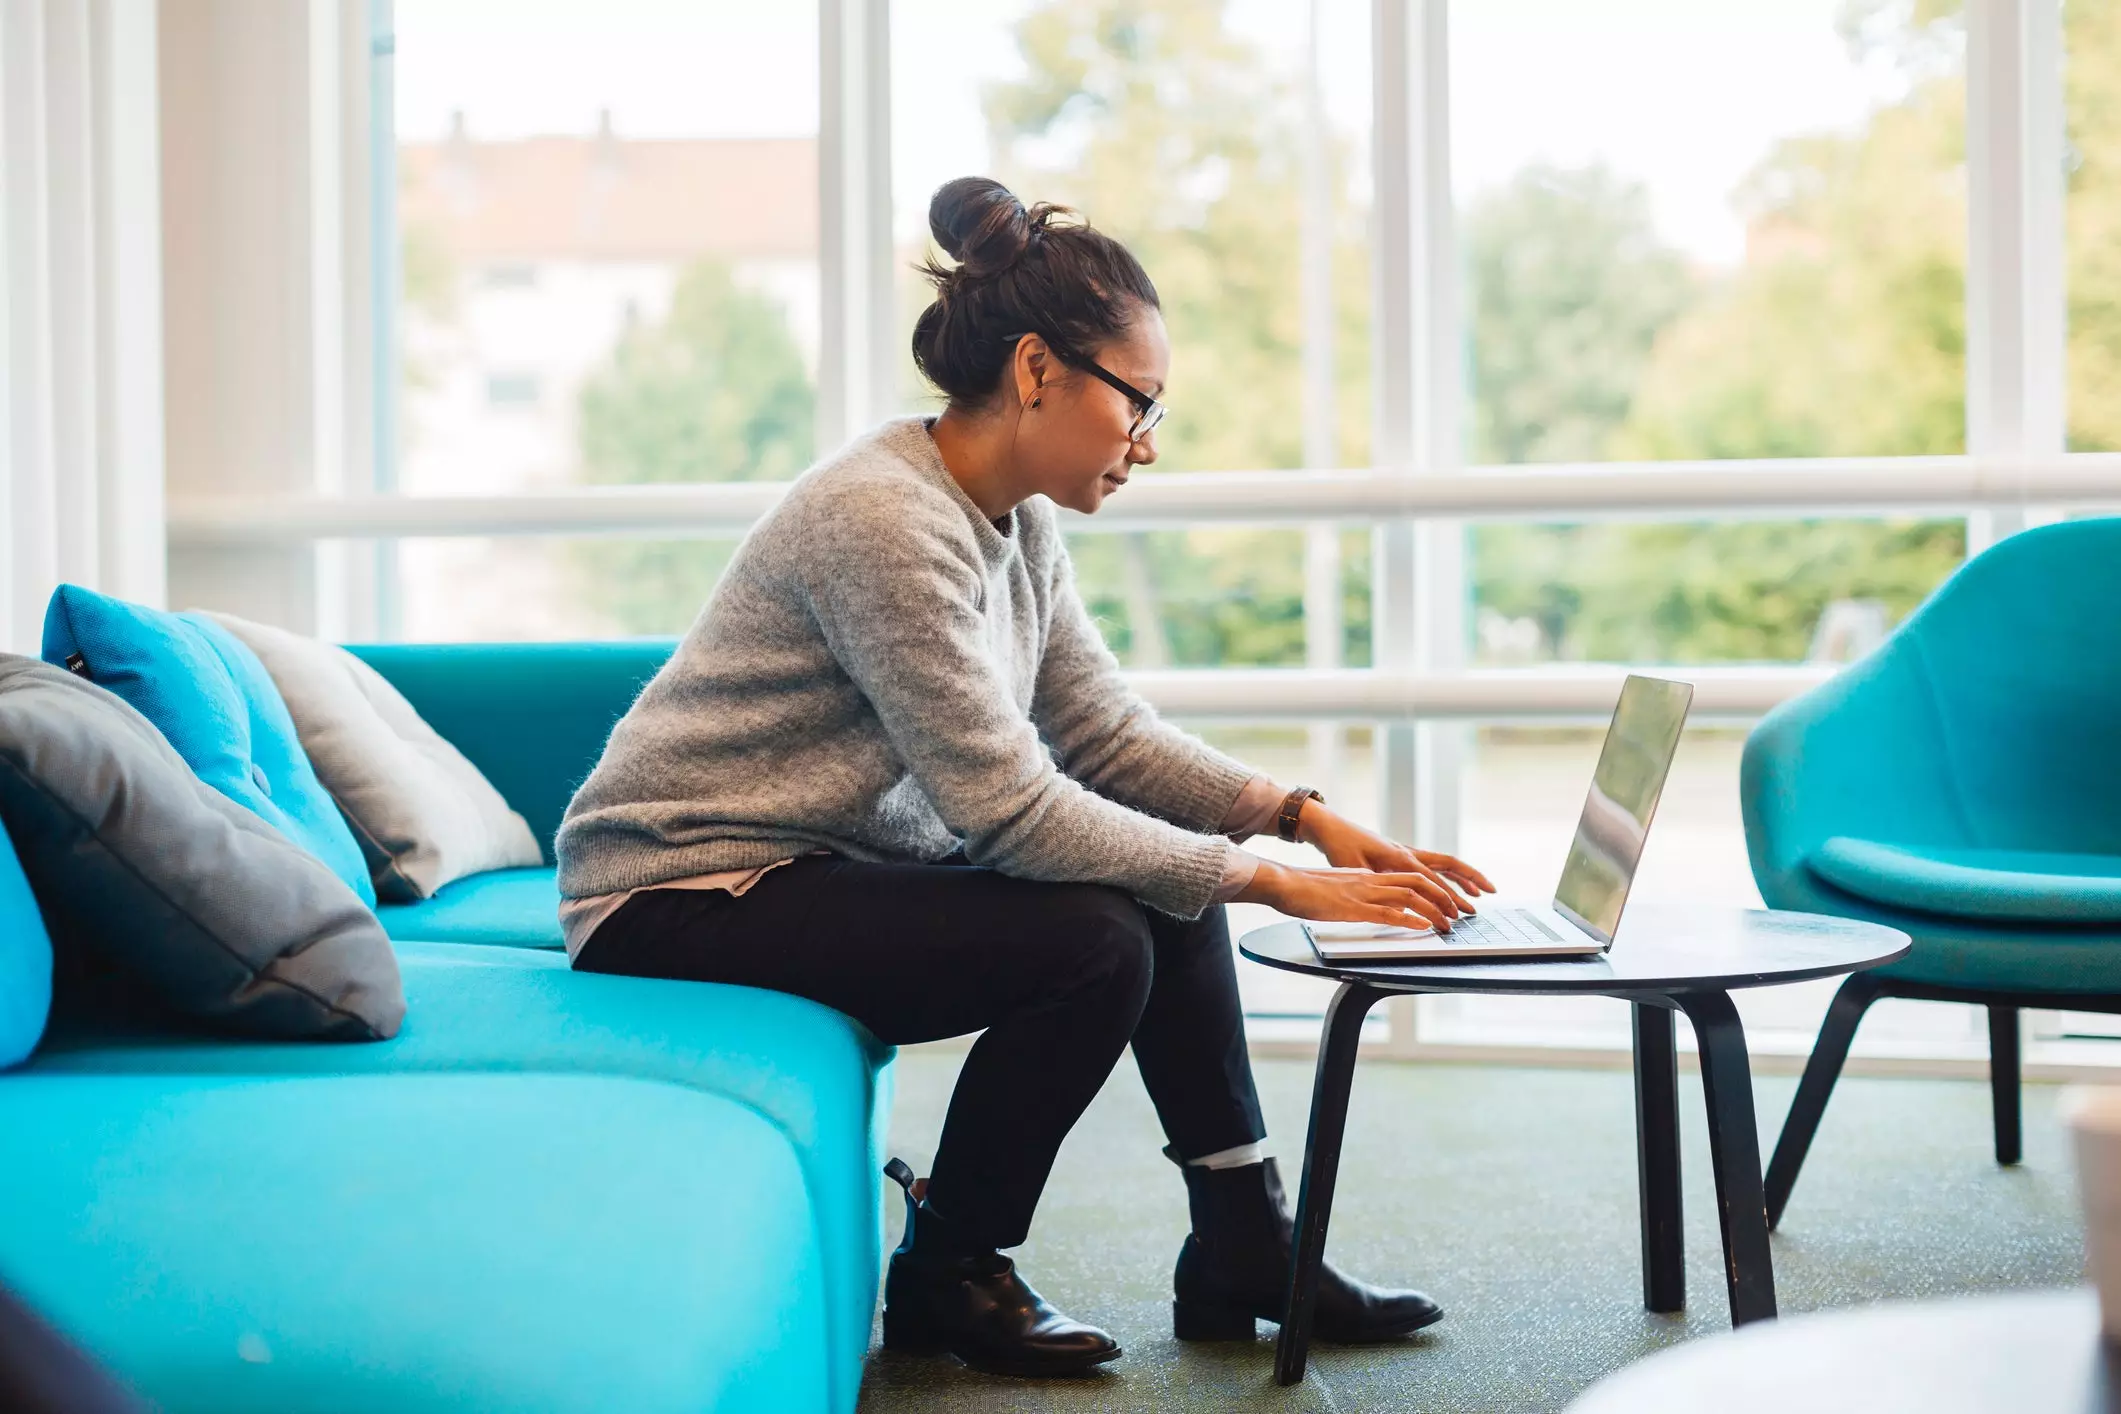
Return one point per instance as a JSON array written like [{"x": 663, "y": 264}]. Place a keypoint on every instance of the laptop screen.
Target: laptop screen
[{"x": 1616, "y": 816}]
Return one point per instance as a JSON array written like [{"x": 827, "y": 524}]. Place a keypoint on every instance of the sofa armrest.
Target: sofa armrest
[{"x": 533, "y": 717}]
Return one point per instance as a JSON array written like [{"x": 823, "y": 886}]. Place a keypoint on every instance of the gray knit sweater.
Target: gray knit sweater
[{"x": 886, "y": 674}]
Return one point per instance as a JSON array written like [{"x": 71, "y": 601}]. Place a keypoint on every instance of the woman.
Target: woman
[{"x": 894, "y": 769}]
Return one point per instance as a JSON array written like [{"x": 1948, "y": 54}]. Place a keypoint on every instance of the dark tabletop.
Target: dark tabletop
[
  {"x": 2025, "y": 1353},
  {"x": 1659, "y": 948}
]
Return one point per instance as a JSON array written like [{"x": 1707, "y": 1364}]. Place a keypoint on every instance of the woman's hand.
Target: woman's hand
[
  {"x": 1347, "y": 845},
  {"x": 1403, "y": 900}
]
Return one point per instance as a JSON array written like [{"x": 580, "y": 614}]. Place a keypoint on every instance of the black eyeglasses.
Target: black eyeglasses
[{"x": 1149, "y": 412}]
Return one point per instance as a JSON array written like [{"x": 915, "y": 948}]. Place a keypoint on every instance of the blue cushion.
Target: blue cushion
[
  {"x": 209, "y": 694},
  {"x": 232, "y": 1243},
  {"x": 819, "y": 1077},
  {"x": 25, "y": 961},
  {"x": 512, "y": 908},
  {"x": 2028, "y": 885}
]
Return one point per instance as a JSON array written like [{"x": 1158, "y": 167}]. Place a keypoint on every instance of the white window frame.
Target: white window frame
[{"x": 1418, "y": 497}]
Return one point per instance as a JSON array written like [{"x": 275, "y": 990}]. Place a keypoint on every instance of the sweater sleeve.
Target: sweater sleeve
[
  {"x": 1253, "y": 814},
  {"x": 1112, "y": 740},
  {"x": 899, "y": 606}
]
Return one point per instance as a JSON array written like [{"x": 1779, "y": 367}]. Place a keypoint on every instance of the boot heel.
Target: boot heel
[
  {"x": 910, "y": 1335},
  {"x": 1197, "y": 1320}
]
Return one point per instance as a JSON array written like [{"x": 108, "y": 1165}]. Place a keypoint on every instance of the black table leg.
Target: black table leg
[
  {"x": 1734, "y": 1150},
  {"x": 1314, "y": 1201},
  {"x": 2003, "y": 1053},
  {"x": 1657, "y": 1159}
]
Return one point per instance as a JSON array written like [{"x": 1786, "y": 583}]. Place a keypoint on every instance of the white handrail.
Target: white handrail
[
  {"x": 1651, "y": 490},
  {"x": 1547, "y": 693}
]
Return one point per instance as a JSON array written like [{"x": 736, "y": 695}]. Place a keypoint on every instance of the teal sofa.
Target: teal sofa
[{"x": 551, "y": 1191}]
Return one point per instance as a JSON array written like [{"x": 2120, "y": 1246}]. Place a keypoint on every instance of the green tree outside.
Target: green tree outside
[
  {"x": 1569, "y": 289},
  {"x": 1842, "y": 334},
  {"x": 716, "y": 391}
]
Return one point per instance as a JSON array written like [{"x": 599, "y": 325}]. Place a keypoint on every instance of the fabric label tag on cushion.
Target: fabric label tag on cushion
[
  {"x": 214, "y": 701},
  {"x": 140, "y": 865},
  {"x": 425, "y": 815}
]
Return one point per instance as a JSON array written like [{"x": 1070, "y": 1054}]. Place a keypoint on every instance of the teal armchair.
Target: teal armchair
[{"x": 1963, "y": 784}]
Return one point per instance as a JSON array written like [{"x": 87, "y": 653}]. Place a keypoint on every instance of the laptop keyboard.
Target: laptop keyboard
[{"x": 1504, "y": 927}]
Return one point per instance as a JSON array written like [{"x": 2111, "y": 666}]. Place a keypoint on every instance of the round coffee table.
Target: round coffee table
[
  {"x": 2028, "y": 1352},
  {"x": 1665, "y": 959}
]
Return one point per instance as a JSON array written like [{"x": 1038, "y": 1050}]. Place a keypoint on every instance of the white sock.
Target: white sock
[{"x": 1230, "y": 1158}]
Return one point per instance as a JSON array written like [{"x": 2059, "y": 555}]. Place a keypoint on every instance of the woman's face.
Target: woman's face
[{"x": 1073, "y": 447}]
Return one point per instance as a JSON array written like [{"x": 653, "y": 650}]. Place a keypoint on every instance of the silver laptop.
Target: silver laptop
[{"x": 1585, "y": 914}]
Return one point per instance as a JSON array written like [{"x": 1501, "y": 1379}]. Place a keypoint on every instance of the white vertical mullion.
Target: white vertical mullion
[
  {"x": 1418, "y": 580},
  {"x": 8, "y": 519},
  {"x": 1395, "y": 382},
  {"x": 887, "y": 350},
  {"x": 133, "y": 550},
  {"x": 323, "y": 252},
  {"x": 1439, "y": 618},
  {"x": 333, "y": 367},
  {"x": 1994, "y": 190},
  {"x": 347, "y": 590},
  {"x": 2046, "y": 311},
  {"x": 32, "y": 564},
  {"x": 70, "y": 252},
  {"x": 856, "y": 369},
  {"x": 1321, "y": 440},
  {"x": 2015, "y": 316},
  {"x": 1321, "y": 413},
  {"x": 386, "y": 302},
  {"x": 1393, "y": 374},
  {"x": 10, "y": 522},
  {"x": 2046, "y": 284}
]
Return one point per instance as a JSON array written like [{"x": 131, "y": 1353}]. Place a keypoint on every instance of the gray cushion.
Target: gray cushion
[{"x": 145, "y": 869}]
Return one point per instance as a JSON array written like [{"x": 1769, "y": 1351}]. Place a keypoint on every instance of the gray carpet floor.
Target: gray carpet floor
[{"x": 1509, "y": 1195}]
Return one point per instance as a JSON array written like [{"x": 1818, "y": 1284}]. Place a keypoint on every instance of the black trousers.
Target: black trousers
[{"x": 1061, "y": 978}]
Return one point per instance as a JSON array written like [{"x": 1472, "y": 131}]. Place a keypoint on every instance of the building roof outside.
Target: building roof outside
[{"x": 607, "y": 198}]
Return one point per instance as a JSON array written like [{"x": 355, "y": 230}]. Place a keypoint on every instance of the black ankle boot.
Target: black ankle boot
[
  {"x": 945, "y": 1294},
  {"x": 1234, "y": 1268}
]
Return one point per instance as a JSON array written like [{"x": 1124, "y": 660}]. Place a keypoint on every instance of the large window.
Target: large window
[
  {"x": 1731, "y": 238},
  {"x": 1705, "y": 232},
  {"x": 609, "y": 244}
]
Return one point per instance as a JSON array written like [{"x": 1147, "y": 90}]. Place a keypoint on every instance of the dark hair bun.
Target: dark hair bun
[
  {"x": 1016, "y": 271},
  {"x": 980, "y": 224}
]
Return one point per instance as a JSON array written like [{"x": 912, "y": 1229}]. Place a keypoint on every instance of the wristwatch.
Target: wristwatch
[{"x": 1291, "y": 806}]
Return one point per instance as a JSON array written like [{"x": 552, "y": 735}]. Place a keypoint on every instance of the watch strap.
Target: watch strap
[{"x": 1292, "y": 806}]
